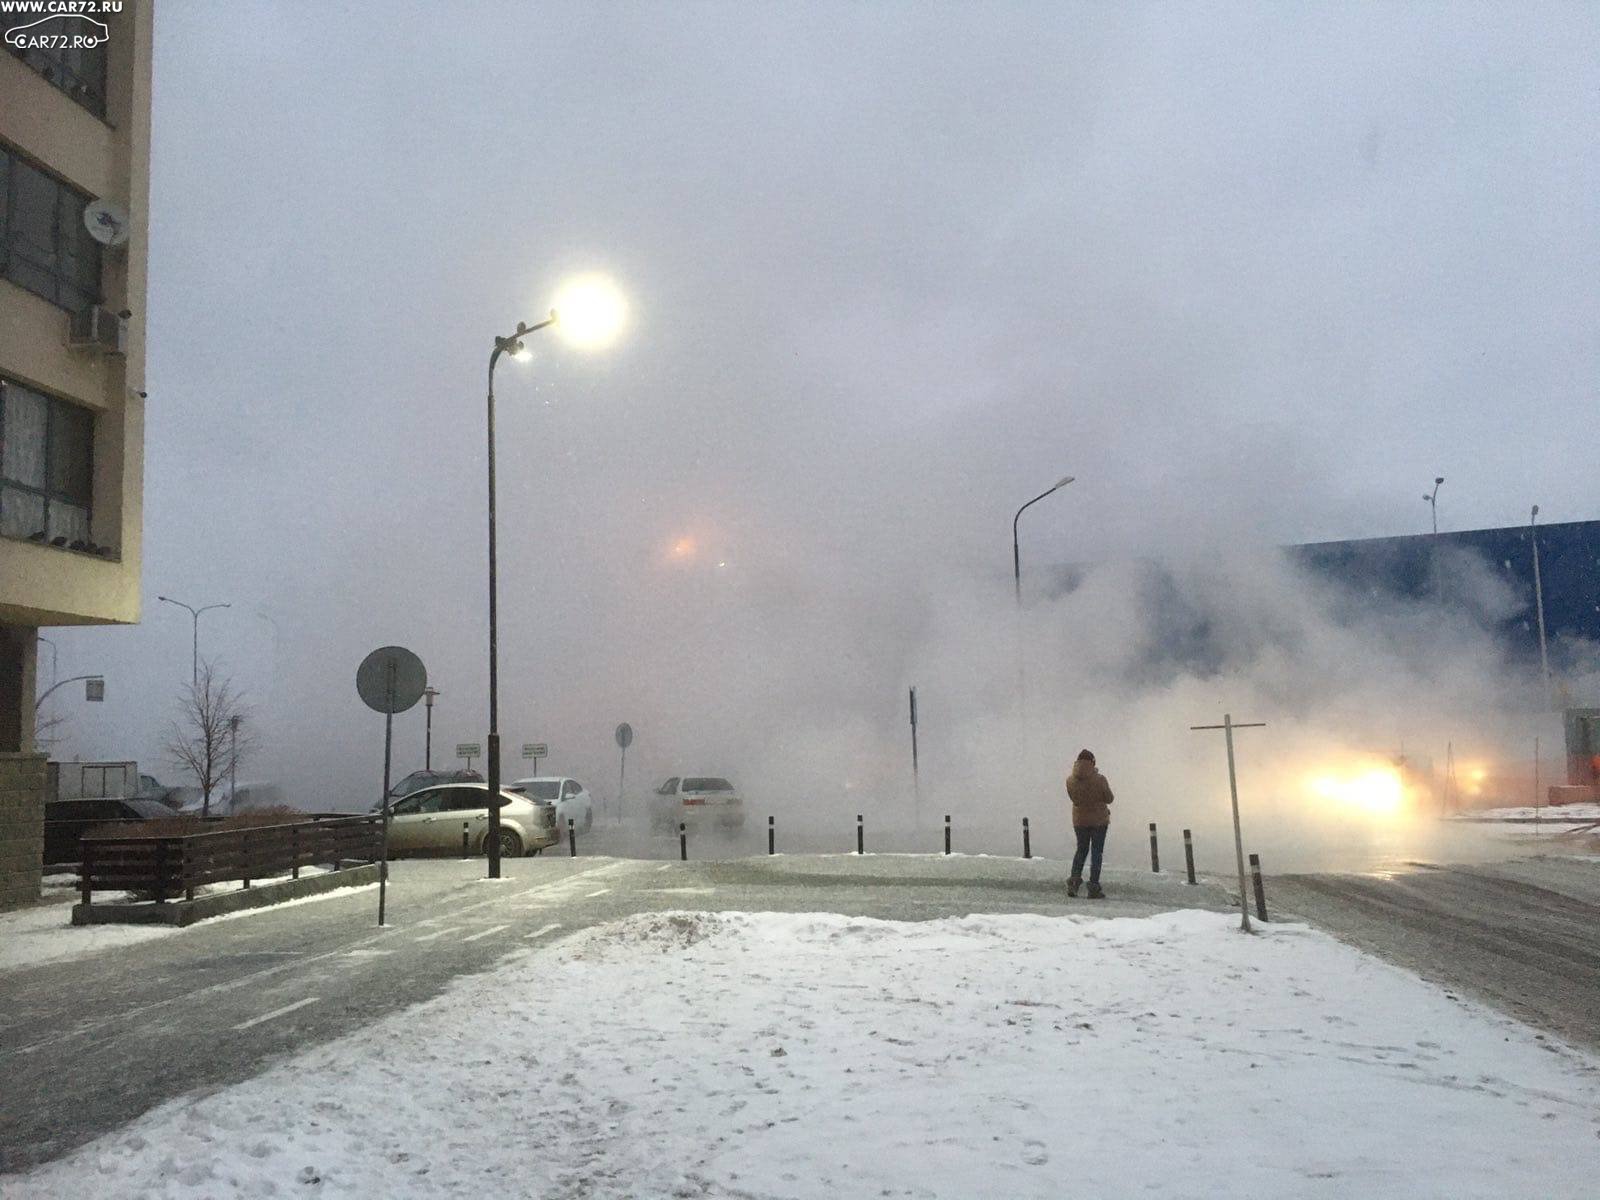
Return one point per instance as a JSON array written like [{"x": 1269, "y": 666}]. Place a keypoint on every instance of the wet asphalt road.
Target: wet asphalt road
[
  {"x": 87, "y": 1045},
  {"x": 1523, "y": 936}
]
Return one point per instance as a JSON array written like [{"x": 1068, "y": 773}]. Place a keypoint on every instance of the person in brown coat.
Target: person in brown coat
[{"x": 1091, "y": 798}]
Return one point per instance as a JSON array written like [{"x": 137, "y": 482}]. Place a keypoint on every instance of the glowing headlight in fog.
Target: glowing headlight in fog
[{"x": 1375, "y": 791}]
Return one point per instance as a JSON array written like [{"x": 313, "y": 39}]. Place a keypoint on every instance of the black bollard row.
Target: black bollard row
[
  {"x": 947, "y": 833},
  {"x": 466, "y": 840},
  {"x": 772, "y": 836},
  {"x": 861, "y": 837},
  {"x": 1188, "y": 854},
  {"x": 1155, "y": 854},
  {"x": 1027, "y": 841},
  {"x": 572, "y": 838},
  {"x": 1261, "y": 892},
  {"x": 683, "y": 842}
]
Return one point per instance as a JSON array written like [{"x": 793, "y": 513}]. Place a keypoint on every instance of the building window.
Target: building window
[
  {"x": 46, "y": 467},
  {"x": 78, "y": 70},
  {"x": 44, "y": 244}
]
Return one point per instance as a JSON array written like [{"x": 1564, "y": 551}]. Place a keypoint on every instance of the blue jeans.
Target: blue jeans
[{"x": 1090, "y": 838}]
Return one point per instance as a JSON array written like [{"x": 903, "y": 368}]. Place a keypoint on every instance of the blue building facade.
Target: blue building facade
[{"x": 1421, "y": 565}]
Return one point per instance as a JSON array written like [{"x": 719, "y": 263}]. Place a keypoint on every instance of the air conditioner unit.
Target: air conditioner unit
[{"x": 99, "y": 330}]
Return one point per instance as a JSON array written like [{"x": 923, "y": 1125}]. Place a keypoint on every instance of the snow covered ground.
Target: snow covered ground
[
  {"x": 1563, "y": 813},
  {"x": 45, "y": 933},
  {"x": 764, "y": 1055}
]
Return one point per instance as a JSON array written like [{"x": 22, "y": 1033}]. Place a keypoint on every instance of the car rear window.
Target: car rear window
[
  {"x": 707, "y": 785},
  {"x": 541, "y": 789}
]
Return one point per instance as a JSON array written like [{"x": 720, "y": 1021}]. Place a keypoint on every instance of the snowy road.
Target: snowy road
[
  {"x": 766, "y": 1056},
  {"x": 89, "y": 1044},
  {"x": 1523, "y": 935}
]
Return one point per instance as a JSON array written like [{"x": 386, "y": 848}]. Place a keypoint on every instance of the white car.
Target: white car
[
  {"x": 571, "y": 798},
  {"x": 696, "y": 801}
]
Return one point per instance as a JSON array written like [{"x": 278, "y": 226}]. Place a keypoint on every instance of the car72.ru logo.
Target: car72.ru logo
[{"x": 58, "y": 31}]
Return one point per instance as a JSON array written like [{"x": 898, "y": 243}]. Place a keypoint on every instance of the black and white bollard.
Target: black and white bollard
[
  {"x": 572, "y": 838},
  {"x": 1155, "y": 855},
  {"x": 1027, "y": 841},
  {"x": 683, "y": 842},
  {"x": 947, "y": 833},
  {"x": 466, "y": 839},
  {"x": 1188, "y": 854},
  {"x": 1261, "y": 892},
  {"x": 772, "y": 836},
  {"x": 861, "y": 836}
]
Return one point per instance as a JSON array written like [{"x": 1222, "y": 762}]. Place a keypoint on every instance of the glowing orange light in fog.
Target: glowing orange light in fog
[
  {"x": 1376, "y": 790},
  {"x": 683, "y": 549}
]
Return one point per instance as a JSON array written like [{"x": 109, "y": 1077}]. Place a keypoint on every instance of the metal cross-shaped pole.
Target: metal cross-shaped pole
[{"x": 1227, "y": 727}]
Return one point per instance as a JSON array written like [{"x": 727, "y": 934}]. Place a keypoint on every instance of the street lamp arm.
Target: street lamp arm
[{"x": 63, "y": 683}]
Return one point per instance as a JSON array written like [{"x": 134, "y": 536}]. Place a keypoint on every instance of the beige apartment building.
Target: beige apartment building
[{"x": 74, "y": 183}]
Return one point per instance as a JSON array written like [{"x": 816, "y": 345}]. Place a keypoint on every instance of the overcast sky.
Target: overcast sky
[{"x": 1250, "y": 272}]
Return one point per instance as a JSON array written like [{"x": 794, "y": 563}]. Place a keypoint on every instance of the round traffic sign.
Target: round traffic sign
[
  {"x": 391, "y": 679},
  {"x": 624, "y": 735}
]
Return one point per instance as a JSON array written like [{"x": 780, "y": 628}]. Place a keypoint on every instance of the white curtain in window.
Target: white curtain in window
[{"x": 27, "y": 416}]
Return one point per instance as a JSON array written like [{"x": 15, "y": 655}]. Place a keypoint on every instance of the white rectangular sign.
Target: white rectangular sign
[
  {"x": 469, "y": 750},
  {"x": 535, "y": 750}
]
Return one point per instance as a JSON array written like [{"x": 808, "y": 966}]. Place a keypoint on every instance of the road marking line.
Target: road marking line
[
  {"x": 367, "y": 953},
  {"x": 277, "y": 1012},
  {"x": 601, "y": 892},
  {"x": 438, "y": 933},
  {"x": 542, "y": 930},
  {"x": 484, "y": 933},
  {"x": 120, "y": 1020}
]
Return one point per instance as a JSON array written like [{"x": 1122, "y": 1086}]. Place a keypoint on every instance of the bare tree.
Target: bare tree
[{"x": 211, "y": 734}]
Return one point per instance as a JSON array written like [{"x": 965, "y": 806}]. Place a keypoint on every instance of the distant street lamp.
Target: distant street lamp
[
  {"x": 54, "y": 656},
  {"x": 427, "y": 751},
  {"x": 94, "y": 688},
  {"x": 589, "y": 313},
  {"x": 1433, "y": 504},
  {"x": 233, "y": 763},
  {"x": 1016, "y": 552},
  {"x": 1538, "y": 602},
  {"x": 195, "y": 613}
]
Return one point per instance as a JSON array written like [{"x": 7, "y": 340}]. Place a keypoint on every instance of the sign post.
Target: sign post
[
  {"x": 390, "y": 680},
  {"x": 1227, "y": 728},
  {"x": 469, "y": 751},
  {"x": 624, "y": 740},
  {"x": 916, "y": 784},
  {"x": 535, "y": 751}
]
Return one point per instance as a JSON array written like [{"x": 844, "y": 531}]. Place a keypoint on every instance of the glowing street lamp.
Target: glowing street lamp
[{"x": 589, "y": 313}]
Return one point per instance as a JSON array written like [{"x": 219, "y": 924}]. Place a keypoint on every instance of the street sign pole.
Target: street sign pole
[
  {"x": 624, "y": 737},
  {"x": 1227, "y": 728},
  {"x": 390, "y": 680},
  {"x": 916, "y": 782},
  {"x": 388, "y": 747}
]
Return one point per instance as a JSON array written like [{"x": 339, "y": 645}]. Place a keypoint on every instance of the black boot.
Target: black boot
[
  {"x": 1095, "y": 893},
  {"x": 1073, "y": 885}
]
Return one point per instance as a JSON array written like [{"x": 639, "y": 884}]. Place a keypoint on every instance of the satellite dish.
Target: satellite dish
[
  {"x": 391, "y": 679},
  {"x": 106, "y": 222}
]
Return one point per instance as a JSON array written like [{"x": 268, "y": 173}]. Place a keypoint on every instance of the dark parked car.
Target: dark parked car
[{"x": 66, "y": 820}]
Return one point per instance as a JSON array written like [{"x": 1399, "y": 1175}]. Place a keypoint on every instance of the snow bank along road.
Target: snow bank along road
[
  {"x": 87, "y": 1045},
  {"x": 757, "y": 1056},
  {"x": 1524, "y": 935}
]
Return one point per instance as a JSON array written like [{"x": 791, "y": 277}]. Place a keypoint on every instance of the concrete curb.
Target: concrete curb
[{"x": 187, "y": 912}]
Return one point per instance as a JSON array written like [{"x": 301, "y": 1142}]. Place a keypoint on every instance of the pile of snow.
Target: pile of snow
[{"x": 692, "y": 1054}]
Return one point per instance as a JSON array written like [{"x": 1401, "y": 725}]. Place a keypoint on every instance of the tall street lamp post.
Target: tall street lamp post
[
  {"x": 1016, "y": 551},
  {"x": 195, "y": 613},
  {"x": 589, "y": 313},
  {"x": 1433, "y": 504},
  {"x": 1538, "y": 602},
  {"x": 512, "y": 345},
  {"x": 427, "y": 749}
]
